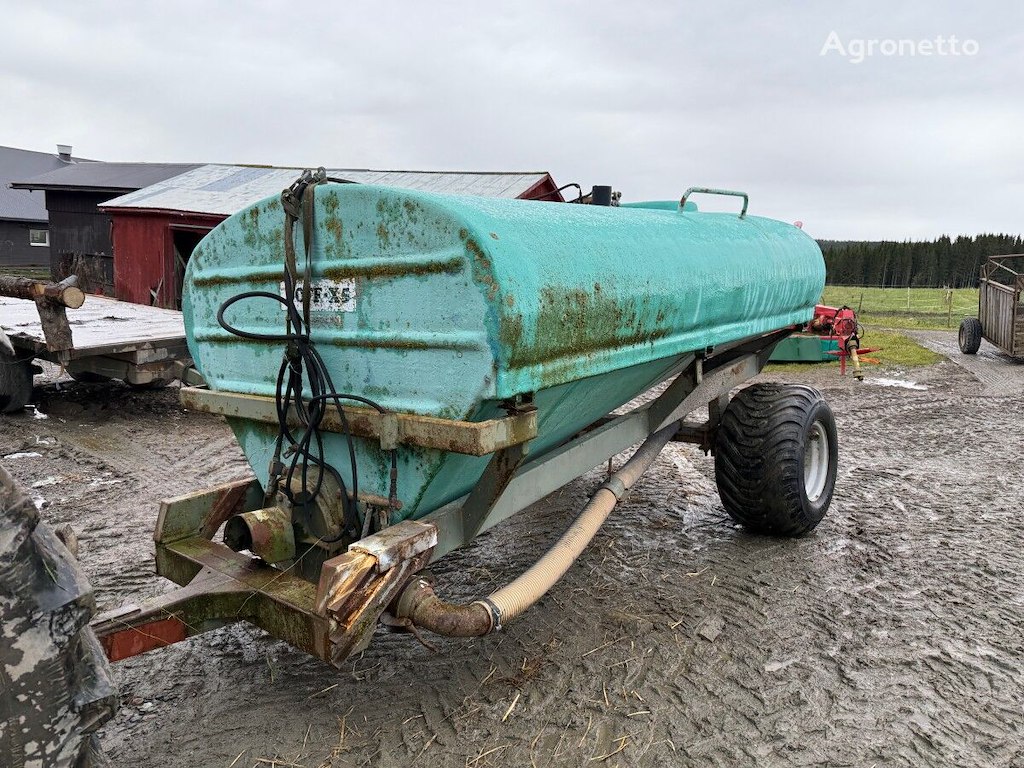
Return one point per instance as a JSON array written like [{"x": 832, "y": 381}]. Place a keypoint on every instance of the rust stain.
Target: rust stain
[
  {"x": 383, "y": 235},
  {"x": 396, "y": 269},
  {"x": 333, "y": 225},
  {"x": 227, "y": 504},
  {"x": 571, "y": 324}
]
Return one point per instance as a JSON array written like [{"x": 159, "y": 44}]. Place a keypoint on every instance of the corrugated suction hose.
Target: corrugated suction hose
[{"x": 426, "y": 610}]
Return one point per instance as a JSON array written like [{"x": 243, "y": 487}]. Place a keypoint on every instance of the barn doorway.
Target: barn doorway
[{"x": 185, "y": 241}]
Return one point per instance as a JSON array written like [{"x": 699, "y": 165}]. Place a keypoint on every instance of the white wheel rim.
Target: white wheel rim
[{"x": 816, "y": 458}]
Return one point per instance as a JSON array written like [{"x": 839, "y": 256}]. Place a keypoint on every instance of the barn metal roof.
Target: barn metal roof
[
  {"x": 226, "y": 189},
  {"x": 22, "y": 204},
  {"x": 104, "y": 177}
]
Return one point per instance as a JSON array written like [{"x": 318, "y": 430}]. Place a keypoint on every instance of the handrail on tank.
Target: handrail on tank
[{"x": 711, "y": 191}]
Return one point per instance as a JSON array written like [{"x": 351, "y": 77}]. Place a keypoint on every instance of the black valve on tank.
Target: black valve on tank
[{"x": 601, "y": 194}]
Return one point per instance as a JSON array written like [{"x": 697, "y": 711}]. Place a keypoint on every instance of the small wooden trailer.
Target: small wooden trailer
[
  {"x": 1000, "y": 317},
  {"x": 103, "y": 339}
]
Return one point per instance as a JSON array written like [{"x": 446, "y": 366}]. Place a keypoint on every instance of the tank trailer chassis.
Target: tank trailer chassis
[{"x": 375, "y": 579}]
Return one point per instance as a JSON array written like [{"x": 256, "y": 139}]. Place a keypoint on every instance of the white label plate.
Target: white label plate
[{"x": 327, "y": 295}]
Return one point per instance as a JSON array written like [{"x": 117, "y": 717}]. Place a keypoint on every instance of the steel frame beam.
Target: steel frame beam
[
  {"x": 473, "y": 438},
  {"x": 692, "y": 389}
]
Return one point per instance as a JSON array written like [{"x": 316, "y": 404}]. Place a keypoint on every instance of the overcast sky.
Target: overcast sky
[{"x": 650, "y": 97}]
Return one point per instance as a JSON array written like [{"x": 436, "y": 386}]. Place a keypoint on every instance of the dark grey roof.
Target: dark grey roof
[
  {"x": 114, "y": 177},
  {"x": 17, "y": 164}
]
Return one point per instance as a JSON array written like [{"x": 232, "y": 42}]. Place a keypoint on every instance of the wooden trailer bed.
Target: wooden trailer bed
[{"x": 110, "y": 338}]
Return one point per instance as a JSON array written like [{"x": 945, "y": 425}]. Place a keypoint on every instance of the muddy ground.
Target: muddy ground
[{"x": 893, "y": 635}]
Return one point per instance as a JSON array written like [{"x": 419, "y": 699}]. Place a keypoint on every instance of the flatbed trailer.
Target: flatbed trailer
[
  {"x": 1000, "y": 319},
  {"x": 103, "y": 338}
]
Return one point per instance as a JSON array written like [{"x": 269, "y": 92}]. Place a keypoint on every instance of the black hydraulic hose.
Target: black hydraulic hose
[{"x": 302, "y": 355}]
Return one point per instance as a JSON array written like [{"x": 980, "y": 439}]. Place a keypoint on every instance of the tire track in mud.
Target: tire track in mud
[
  {"x": 999, "y": 374},
  {"x": 891, "y": 635},
  {"x": 111, "y": 455}
]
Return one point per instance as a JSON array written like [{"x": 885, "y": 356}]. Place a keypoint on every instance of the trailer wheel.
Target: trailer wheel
[
  {"x": 151, "y": 384},
  {"x": 55, "y": 687},
  {"x": 776, "y": 455},
  {"x": 87, "y": 377},
  {"x": 15, "y": 382},
  {"x": 970, "y": 335}
]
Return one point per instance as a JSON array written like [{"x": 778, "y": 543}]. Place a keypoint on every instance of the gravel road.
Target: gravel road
[{"x": 893, "y": 635}]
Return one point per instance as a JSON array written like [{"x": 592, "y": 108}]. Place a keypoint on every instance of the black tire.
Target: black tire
[
  {"x": 88, "y": 377},
  {"x": 15, "y": 383},
  {"x": 55, "y": 687},
  {"x": 970, "y": 335},
  {"x": 761, "y": 448},
  {"x": 154, "y": 384}
]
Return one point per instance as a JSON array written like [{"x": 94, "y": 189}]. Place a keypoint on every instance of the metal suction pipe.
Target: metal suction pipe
[{"x": 426, "y": 610}]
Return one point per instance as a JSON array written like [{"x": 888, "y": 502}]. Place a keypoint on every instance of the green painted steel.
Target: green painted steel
[
  {"x": 805, "y": 348},
  {"x": 447, "y": 306},
  {"x": 661, "y": 205}
]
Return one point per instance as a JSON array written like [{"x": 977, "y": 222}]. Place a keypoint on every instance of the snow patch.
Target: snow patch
[
  {"x": 36, "y": 413},
  {"x": 896, "y": 383},
  {"x": 23, "y": 455}
]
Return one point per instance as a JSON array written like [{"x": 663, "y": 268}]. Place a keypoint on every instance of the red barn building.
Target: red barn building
[
  {"x": 79, "y": 235},
  {"x": 155, "y": 229}
]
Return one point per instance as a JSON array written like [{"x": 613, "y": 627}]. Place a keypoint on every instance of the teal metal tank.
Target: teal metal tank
[{"x": 447, "y": 306}]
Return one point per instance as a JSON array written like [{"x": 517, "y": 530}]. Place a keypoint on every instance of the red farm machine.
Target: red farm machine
[{"x": 833, "y": 333}]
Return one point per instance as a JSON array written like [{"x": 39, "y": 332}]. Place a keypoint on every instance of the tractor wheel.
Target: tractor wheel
[
  {"x": 970, "y": 335},
  {"x": 15, "y": 382},
  {"x": 776, "y": 455},
  {"x": 55, "y": 687}
]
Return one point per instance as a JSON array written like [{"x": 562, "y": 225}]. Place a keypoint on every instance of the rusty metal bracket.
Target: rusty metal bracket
[
  {"x": 472, "y": 438},
  {"x": 495, "y": 478},
  {"x": 700, "y": 434},
  {"x": 228, "y": 587},
  {"x": 199, "y": 515},
  {"x": 356, "y": 588},
  {"x": 173, "y": 617},
  {"x": 397, "y": 543},
  {"x": 330, "y": 620}
]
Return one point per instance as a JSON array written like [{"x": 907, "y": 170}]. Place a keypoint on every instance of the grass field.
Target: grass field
[
  {"x": 36, "y": 273},
  {"x": 918, "y": 308}
]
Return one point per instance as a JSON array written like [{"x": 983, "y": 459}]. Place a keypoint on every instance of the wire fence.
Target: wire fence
[{"x": 943, "y": 307}]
